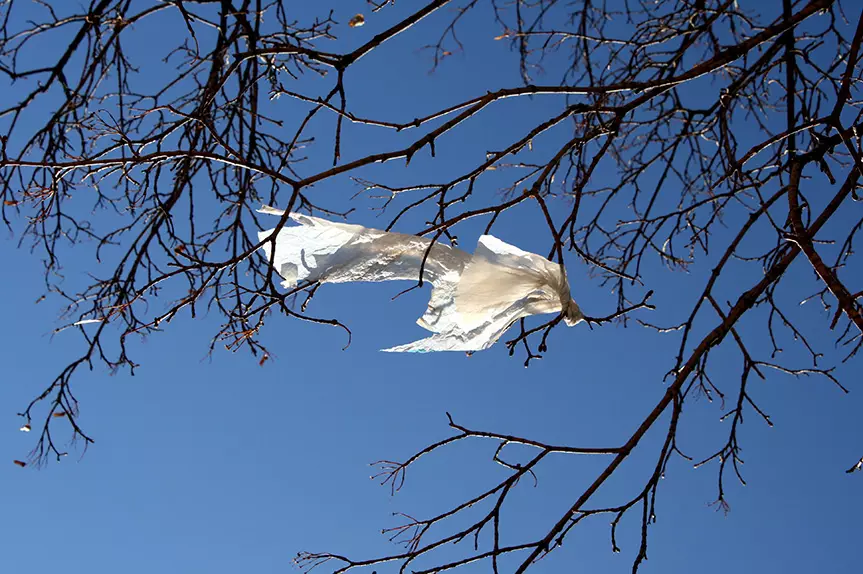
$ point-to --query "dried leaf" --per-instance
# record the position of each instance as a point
(263, 359)
(180, 248)
(58, 415)
(10, 202)
(357, 21)
(20, 463)
(25, 428)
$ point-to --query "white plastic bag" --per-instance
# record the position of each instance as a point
(474, 300)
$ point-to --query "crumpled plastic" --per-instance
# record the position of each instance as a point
(475, 297)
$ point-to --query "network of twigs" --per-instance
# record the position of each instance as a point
(711, 114)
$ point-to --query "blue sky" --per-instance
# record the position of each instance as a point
(223, 466)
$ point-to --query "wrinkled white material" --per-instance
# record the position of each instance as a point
(474, 299)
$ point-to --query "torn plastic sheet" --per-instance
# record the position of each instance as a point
(475, 297)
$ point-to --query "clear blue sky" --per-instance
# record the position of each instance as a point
(223, 466)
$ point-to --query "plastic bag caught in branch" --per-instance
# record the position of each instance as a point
(475, 297)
